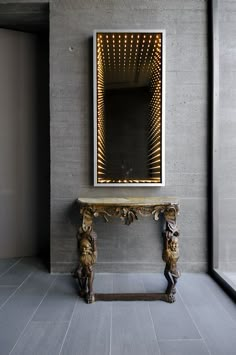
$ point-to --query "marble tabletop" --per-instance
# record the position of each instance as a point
(129, 201)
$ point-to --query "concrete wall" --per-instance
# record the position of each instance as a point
(18, 141)
(138, 247)
(24, 130)
(227, 140)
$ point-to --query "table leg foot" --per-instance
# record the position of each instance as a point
(170, 298)
(90, 298)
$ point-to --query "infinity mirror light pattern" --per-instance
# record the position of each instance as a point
(131, 62)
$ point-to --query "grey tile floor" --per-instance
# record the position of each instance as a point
(42, 314)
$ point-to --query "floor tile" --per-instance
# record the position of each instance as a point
(42, 314)
(41, 338)
(5, 264)
(132, 329)
(17, 312)
(172, 320)
(20, 271)
(89, 331)
(127, 283)
(183, 347)
(5, 293)
(59, 302)
(216, 292)
(103, 283)
(155, 282)
(213, 321)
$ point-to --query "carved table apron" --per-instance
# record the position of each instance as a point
(128, 209)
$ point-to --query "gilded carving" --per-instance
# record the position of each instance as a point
(87, 213)
(128, 213)
(171, 252)
(87, 258)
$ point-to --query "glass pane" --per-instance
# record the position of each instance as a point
(227, 141)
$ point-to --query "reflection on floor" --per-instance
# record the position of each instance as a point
(231, 276)
(42, 314)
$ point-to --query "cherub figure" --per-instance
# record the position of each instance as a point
(171, 256)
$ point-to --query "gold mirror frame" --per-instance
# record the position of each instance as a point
(122, 58)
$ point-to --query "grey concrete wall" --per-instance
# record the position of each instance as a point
(18, 140)
(24, 127)
(137, 247)
(227, 138)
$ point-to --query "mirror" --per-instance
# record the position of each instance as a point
(129, 70)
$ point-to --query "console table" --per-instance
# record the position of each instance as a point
(128, 210)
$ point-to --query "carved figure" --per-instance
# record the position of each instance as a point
(171, 252)
(170, 217)
(128, 212)
(87, 258)
(171, 256)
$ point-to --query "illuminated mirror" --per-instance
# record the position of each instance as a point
(129, 73)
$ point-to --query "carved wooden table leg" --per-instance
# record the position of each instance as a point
(87, 256)
(171, 252)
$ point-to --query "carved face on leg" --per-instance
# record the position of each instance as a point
(173, 244)
(85, 247)
(87, 257)
(170, 214)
